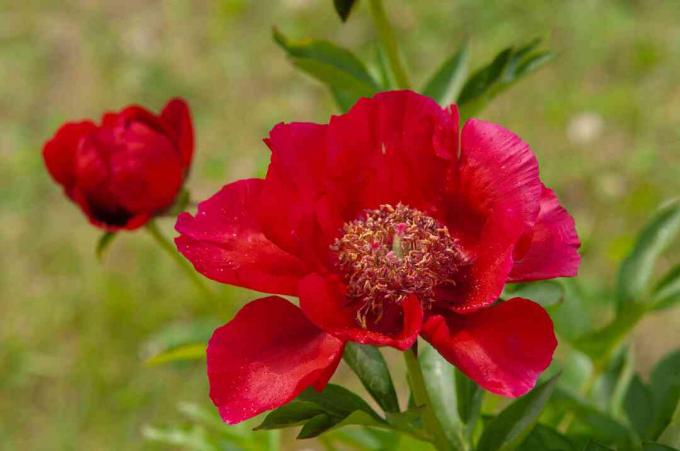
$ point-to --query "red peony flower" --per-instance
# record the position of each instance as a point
(126, 170)
(388, 224)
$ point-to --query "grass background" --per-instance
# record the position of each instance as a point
(603, 118)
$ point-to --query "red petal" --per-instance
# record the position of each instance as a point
(145, 170)
(59, 152)
(324, 303)
(395, 147)
(552, 249)
(177, 116)
(294, 210)
(225, 243)
(503, 348)
(495, 199)
(265, 357)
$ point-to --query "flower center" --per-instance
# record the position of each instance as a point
(391, 253)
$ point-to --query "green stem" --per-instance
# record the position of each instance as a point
(422, 400)
(168, 247)
(389, 43)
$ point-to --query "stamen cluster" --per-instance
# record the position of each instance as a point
(392, 252)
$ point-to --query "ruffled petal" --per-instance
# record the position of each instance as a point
(493, 200)
(266, 356)
(295, 211)
(60, 151)
(551, 249)
(503, 348)
(394, 147)
(177, 116)
(324, 303)
(224, 242)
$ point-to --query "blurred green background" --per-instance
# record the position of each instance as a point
(603, 118)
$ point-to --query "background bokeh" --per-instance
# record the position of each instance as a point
(603, 118)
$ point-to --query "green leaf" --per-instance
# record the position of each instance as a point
(343, 8)
(548, 293)
(636, 270)
(446, 83)
(104, 243)
(336, 400)
(469, 396)
(509, 429)
(665, 388)
(587, 417)
(639, 406)
(671, 435)
(543, 438)
(292, 414)
(440, 384)
(600, 344)
(316, 426)
(333, 408)
(334, 66)
(369, 365)
(667, 291)
(508, 67)
(181, 203)
(649, 446)
(610, 388)
(179, 354)
(594, 446)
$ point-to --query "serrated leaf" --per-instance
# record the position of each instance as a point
(344, 8)
(440, 384)
(509, 429)
(292, 414)
(637, 268)
(179, 354)
(548, 293)
(336, 67)
(508, 67)
(104, 243)
(667, 291)
(446, 83)
(369, 365)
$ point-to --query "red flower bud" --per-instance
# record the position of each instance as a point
(127, 169)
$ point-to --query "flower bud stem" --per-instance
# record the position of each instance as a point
(422, 400)
(169, 248)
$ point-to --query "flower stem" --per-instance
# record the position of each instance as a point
(422, 400)
(168, 247)
(389, 43)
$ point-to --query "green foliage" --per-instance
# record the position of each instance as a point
(336, 67)
(548, 293)
(319, 412)
(507, 68)
(344, 8)
(637, 269)
(104, 243)
(369, 365)
(509, 429)
(445, 84)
